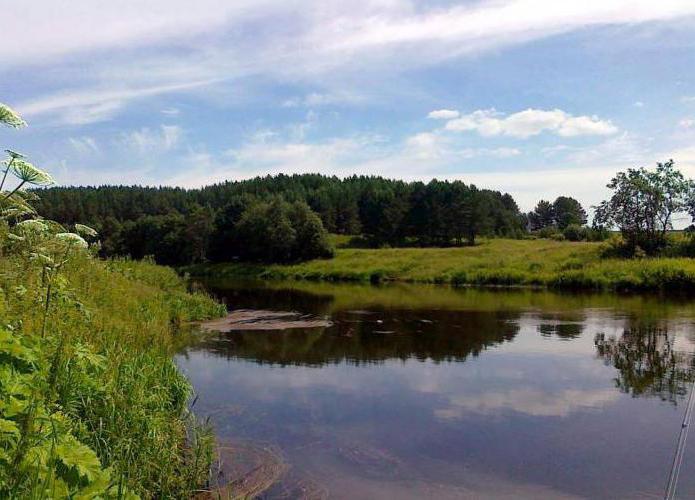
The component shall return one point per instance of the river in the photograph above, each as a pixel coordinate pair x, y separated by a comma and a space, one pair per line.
414, 391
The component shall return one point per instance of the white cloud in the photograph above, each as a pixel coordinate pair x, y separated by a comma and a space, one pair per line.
529, 401
586, 125
90, 113
45, 30
443, 114
84, 145
426, 146
147, 140
686, 123
491, 23
688, 98
638, 104
130, 41
530, 122
504, 152
171, 111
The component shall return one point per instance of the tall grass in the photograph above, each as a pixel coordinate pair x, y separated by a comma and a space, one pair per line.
91, 404
97, 406
495, 262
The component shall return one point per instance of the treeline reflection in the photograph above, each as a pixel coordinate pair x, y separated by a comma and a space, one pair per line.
643, 352
360, 337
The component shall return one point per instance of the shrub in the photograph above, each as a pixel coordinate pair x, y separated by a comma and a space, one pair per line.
548, 232
574, 232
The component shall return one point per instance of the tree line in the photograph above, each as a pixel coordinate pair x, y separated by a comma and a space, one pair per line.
282, 218
287, 218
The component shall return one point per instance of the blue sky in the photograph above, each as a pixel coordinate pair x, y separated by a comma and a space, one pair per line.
534, 97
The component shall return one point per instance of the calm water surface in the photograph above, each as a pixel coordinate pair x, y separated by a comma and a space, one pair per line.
433, 392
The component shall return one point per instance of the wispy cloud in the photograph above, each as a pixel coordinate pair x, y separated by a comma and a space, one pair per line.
317, 99
84, 145
303, 43
171, 111
147, 140
85, 106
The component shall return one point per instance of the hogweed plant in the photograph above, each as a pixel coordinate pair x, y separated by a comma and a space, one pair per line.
91, 405
40, 453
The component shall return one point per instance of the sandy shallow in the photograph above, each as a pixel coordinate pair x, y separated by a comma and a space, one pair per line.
250, 319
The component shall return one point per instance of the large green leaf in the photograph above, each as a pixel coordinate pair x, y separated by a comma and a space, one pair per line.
79, 456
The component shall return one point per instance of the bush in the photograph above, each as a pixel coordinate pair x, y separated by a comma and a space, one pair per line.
574, 232
548, 232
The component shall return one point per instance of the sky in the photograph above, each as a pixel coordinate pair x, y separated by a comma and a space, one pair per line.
537, 98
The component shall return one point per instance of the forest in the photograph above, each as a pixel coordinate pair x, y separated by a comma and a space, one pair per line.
286, 218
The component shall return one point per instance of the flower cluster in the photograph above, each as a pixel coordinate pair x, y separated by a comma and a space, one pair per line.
10, 118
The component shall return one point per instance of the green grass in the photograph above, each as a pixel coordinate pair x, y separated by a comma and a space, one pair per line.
97, 407
500, 262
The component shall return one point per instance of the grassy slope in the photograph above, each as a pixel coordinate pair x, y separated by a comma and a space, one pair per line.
130, 408
493, 262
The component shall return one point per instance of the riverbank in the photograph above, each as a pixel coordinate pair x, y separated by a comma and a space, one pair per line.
495, 262
96, 405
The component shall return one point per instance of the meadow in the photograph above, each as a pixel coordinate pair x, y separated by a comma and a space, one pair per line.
92, 404
492, 262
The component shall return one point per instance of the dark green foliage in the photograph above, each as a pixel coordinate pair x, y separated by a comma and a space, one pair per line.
199, 225
568, 211
564, 211
574, 232
278, 231
643, 204
542, 216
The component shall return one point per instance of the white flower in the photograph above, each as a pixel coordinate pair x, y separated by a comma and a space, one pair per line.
10, 117
32, 226
31, 174
72, 239
16, 202
85, 230
42, 258
15, 212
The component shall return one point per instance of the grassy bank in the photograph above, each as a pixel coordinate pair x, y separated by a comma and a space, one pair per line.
501, 262
94, 406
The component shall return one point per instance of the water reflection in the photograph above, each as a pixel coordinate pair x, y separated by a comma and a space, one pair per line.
647, 362
565, 331
357, 337
433, 392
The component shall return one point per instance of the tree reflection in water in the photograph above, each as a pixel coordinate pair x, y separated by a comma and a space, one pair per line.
365, 337
648, 364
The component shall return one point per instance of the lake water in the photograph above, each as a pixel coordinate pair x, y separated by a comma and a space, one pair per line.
434, 392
